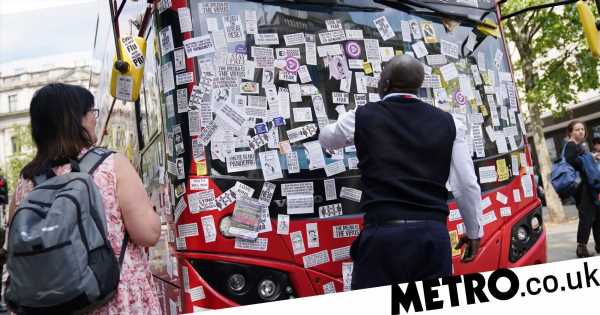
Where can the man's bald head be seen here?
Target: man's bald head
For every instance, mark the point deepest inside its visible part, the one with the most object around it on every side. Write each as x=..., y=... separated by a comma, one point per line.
x=401, y=74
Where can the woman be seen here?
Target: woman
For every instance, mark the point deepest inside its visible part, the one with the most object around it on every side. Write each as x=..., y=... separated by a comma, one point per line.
x=589, y=213
x=63, y=121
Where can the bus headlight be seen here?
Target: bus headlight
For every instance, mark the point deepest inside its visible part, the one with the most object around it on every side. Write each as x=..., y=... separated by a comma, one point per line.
x=522, y=233
x=535, y=223
x=236, y=282
x=525, y=233
x=268, y=290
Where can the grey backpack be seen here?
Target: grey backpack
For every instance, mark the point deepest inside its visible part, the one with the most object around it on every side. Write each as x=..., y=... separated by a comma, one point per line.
x=59, y=258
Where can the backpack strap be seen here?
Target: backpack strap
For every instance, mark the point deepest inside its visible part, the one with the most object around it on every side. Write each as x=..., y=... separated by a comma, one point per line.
x=93, y=158
x=123, y=248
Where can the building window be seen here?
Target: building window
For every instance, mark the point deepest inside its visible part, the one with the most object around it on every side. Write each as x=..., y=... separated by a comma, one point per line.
x=16, y=146
x=12, y=102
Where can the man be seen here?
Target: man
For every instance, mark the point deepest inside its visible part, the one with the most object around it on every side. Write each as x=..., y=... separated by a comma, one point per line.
x=407, y=150
x=596, y=149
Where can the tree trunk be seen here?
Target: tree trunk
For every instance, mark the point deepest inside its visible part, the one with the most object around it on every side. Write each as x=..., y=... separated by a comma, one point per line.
x=553, y=202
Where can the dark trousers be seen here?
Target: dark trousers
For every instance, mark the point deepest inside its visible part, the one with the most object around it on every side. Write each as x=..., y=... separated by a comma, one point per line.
x=589, y=221
x=388, y=254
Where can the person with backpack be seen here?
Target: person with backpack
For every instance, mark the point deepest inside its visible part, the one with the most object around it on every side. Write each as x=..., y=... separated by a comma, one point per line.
x=76, y=209
x=589, y=211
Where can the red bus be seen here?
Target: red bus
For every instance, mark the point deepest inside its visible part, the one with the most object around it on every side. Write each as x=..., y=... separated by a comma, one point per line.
x=225, y=130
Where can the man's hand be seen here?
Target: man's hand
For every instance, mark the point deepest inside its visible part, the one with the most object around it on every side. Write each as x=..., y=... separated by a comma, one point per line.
x=471, y=249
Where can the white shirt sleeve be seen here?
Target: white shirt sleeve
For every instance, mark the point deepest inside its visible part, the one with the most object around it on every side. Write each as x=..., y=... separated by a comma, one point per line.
x=464, y=185
x=339, y=134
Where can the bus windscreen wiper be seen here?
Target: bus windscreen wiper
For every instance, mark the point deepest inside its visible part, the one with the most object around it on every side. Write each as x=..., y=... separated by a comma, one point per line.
x=410, y=4
x=322, y=5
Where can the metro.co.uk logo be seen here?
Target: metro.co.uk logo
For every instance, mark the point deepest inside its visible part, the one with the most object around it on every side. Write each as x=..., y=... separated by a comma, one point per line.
x=500, y=285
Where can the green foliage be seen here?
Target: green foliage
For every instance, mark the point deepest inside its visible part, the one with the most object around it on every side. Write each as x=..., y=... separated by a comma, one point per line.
x=19, y=159
x=553, y=57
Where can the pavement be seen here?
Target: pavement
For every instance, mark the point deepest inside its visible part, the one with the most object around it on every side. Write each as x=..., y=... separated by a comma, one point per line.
x=561, y=238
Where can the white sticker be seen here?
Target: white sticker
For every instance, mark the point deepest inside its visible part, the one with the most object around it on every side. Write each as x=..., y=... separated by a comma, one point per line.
x=300, y=204
x=259, y=244
x=347, y=268
x=330, y=189
x=124, y=90
x=347, y=230
x=202, y=201
x=168, y=80
x=350, y=194
x=188, y=230
x=251, y=22
x=264, y=223
x=234, y=30
x=340, y=98
x=505, y=212
x=297, y=242
x=266, y=193
x=449, y=72
x=415, y=30
x=266, y=39
x=179, y=59
x=335, y=168
x=301, y=133
x=197, y=294
x=209, y=229
x=181, y=205
x=283, y=224
x=312, y=235
x=184, y=78
x=384, y=28
x=166, y=40
x=405, y=28
x=316, y=259
x=328, y=288
x=332, y=37
x=316, y=158
x=372, y=50
x=471, y=41
x=295, y=93
x=516, y=195
x=294, y=39
x=449, y=49
x=185, y=19
x=241, y=161
x=271, y=167
x=419, y=49
x=186, y=279
x=293, y=165
x=485, y=203
x=334, y=25
x=340, y=253
x=329, y=211
x=302, y=114
x=354, y=34
x=502, y=198
x=233, y=116
x=199, y=183
x=527, y=186
x=487, y=174
x=488, y=217
x=304, y=74
x=199, y=46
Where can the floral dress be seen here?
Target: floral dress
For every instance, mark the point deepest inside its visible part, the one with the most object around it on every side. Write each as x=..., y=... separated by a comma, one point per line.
x=136, y=293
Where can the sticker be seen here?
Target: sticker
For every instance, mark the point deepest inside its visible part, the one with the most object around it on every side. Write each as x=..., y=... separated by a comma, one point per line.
x=502, y=198
x=372, y=50
x=453, y=242
x=334, y=25
x=302, y=114
x=454, y=215
x=329, y=211
x=436, y=60
x=261, y=128
x=259, y=244
x=271, y=167
x=185, y=19
x=311, y=53
x=335, y=168
x=347, y=268
x=301, y=133
x=258, y=141
x=184, y=78
x=350, y=194
x=406, y=34
x=505, y=212
x=182, y=101
x=297, y=242
x=294, y=39
x=354, y=34
x=460, y=98
x=353, y=49
x=449, y=72
x=199, y=183
x=207, y=132
x=187, y=230
x=266, y=193
x=316, y=259
x=304, y=74
x=202, y=201
x=180, y=168
x=340, y=98
x=516, y=195
x=164, y=5
x=488, y=217
x=180, y=243
x=386, y=53
x=233, y=116
x=199, y=46
x=251, y=22
x=293, y=165
x=179, y=190
x=527, y=186
x=429, y=35
x=384, y=28
x=312, y=235
x=124, y=90
x=168, y=80
x=181, y=205
x=283, y=53
x=197, y=294
x=300, y=204
x=328, y=288
x=264, y=222
x=332, y=37
x=340, y=253
x=330, y=189
x=344, y=231
x=266, y=39
x=209, y=228
x=487, y=174
x=234, y=31
x=449, y=49
x=283, y=225
x=241, y=161
x=288, y=76
x=166, y=40
x=419, y=49
x=415, y=30
x=502, y=170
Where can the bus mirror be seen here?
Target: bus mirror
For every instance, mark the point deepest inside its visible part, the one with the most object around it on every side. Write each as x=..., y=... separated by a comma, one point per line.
x=586, y=17
x=488, y=27
x=126, y=77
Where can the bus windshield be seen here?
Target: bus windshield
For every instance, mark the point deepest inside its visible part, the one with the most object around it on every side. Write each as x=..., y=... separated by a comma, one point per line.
x=295, y=67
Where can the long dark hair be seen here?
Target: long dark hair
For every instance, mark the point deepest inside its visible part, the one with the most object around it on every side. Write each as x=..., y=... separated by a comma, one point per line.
x=56, y=113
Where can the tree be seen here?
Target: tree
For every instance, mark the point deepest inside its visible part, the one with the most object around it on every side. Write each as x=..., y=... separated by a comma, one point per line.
x=555, y=65
x=23, y=155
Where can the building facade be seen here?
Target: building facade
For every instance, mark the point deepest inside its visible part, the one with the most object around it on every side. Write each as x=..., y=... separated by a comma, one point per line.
x=20, y=79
